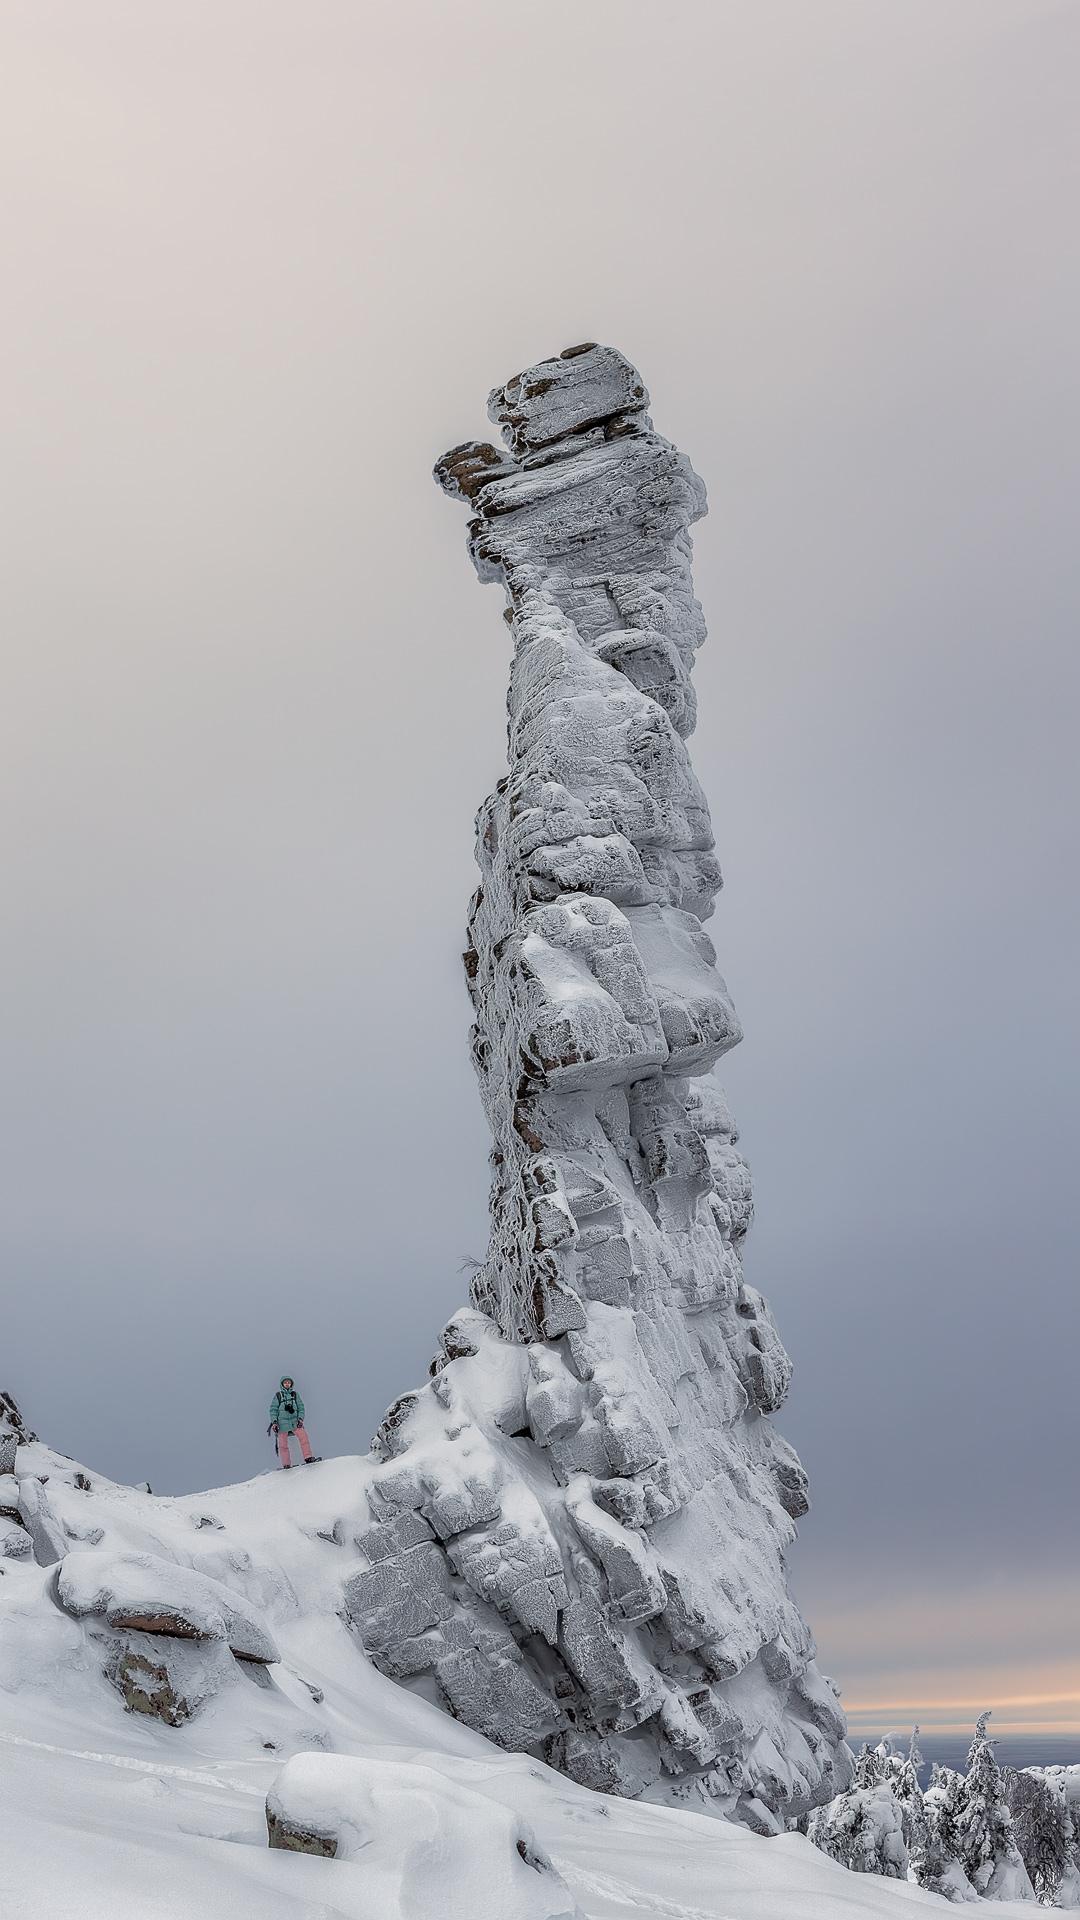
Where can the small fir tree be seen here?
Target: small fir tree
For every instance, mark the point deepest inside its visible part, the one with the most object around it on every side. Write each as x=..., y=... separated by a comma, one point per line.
x=936, y=1859
x=903, y=1778
x=863, y=1830
x=869, y=1767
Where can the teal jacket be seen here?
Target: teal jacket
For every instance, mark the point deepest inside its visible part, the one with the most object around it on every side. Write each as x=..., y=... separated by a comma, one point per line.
x=287, y=1408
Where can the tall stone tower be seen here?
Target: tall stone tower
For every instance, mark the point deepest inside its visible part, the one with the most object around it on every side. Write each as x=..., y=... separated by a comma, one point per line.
x=579, y=1526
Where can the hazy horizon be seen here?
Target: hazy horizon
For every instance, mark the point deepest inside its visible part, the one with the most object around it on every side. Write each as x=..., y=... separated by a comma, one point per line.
x=266, y=263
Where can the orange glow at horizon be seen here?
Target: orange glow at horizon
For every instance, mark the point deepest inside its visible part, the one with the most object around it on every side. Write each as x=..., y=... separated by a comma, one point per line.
x=935, y=1702
x=923, y=1709
x=1013, y=1700
x=877, y=1652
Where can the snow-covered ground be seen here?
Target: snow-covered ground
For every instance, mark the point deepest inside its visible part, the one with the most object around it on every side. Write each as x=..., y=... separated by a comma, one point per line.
x=112, y=1815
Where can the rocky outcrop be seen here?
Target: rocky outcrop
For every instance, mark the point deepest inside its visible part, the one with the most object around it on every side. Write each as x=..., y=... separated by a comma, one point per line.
x=28, y=1527
x=580, y=1522
x=14, y=1432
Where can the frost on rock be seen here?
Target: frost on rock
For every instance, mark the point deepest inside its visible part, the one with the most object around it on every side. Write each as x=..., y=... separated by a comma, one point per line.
x=579, y=1524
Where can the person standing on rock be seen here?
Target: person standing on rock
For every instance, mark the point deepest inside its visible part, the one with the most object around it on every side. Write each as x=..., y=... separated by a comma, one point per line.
x=287, y=1416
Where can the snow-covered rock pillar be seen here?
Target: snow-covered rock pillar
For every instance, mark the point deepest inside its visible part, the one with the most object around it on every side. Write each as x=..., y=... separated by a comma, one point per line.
x=580, y=1525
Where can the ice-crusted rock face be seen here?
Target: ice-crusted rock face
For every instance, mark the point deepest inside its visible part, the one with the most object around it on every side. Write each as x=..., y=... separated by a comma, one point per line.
x=580, y=1523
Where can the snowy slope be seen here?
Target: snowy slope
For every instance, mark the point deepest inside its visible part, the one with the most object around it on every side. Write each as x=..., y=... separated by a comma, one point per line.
x=106, y=1813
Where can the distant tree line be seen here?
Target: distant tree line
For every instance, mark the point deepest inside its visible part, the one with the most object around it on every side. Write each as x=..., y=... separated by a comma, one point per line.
x=993, y=1833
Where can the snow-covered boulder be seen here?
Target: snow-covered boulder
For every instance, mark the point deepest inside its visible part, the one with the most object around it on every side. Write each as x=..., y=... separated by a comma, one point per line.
x=168, y=1678
x=580, y=1523
x=429, y=1848
x=152, y=1596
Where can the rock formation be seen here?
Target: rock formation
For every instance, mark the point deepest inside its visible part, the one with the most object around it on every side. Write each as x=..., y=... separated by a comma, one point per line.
x=579, y=1526
x=581, y=1521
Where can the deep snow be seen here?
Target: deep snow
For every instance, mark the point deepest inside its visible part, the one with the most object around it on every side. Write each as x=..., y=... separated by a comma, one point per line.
x=108, y=1815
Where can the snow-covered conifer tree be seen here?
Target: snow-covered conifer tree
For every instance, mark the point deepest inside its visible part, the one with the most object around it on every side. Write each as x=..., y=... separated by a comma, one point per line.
x=863, y=1829
x=936, y=1860
x=869, y=1767
x=988, y=1851
x=1042, y=1828
x=902, y=1775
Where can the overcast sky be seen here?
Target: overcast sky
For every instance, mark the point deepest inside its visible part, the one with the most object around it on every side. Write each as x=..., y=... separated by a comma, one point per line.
x=263, y=263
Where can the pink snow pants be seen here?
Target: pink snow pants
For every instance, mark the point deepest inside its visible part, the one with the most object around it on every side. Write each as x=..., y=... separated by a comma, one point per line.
x=283, y=1445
